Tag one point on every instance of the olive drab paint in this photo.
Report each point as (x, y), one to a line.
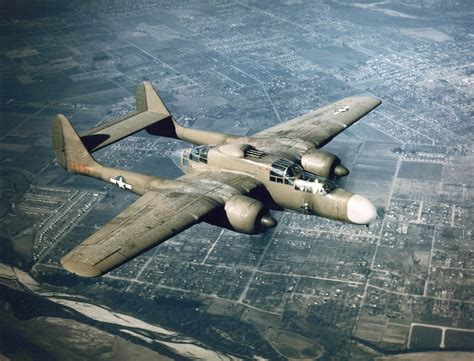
(230, 181)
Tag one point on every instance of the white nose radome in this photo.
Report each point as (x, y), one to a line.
(360, 210)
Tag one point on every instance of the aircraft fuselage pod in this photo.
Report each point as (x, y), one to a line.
(288, 185)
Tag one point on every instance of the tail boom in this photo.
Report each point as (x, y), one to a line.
(74, 157)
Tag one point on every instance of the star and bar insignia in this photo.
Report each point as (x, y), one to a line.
(120, 182)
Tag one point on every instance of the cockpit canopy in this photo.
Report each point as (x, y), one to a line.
(287, 172)
(181, 157)
(198, 154)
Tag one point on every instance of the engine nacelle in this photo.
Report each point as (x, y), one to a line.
(323, 163)
(248, 215)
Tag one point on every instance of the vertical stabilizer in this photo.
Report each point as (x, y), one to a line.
(149, 100)
(71, 154)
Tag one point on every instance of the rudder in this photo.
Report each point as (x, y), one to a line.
(148, 100)
(71, 153)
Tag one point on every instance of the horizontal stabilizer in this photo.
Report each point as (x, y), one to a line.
(150, 110)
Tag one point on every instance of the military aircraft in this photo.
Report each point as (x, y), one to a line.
(231, 181)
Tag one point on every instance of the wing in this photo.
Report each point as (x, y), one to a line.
(322, 125)
(152, 219)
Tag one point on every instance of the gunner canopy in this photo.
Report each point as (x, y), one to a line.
(287, 172)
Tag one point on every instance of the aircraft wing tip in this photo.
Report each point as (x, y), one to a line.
(80, 268)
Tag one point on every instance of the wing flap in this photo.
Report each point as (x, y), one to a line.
(322, 125)
(152, 219)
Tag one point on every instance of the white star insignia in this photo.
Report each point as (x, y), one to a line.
(342, 109)
(120, 182)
